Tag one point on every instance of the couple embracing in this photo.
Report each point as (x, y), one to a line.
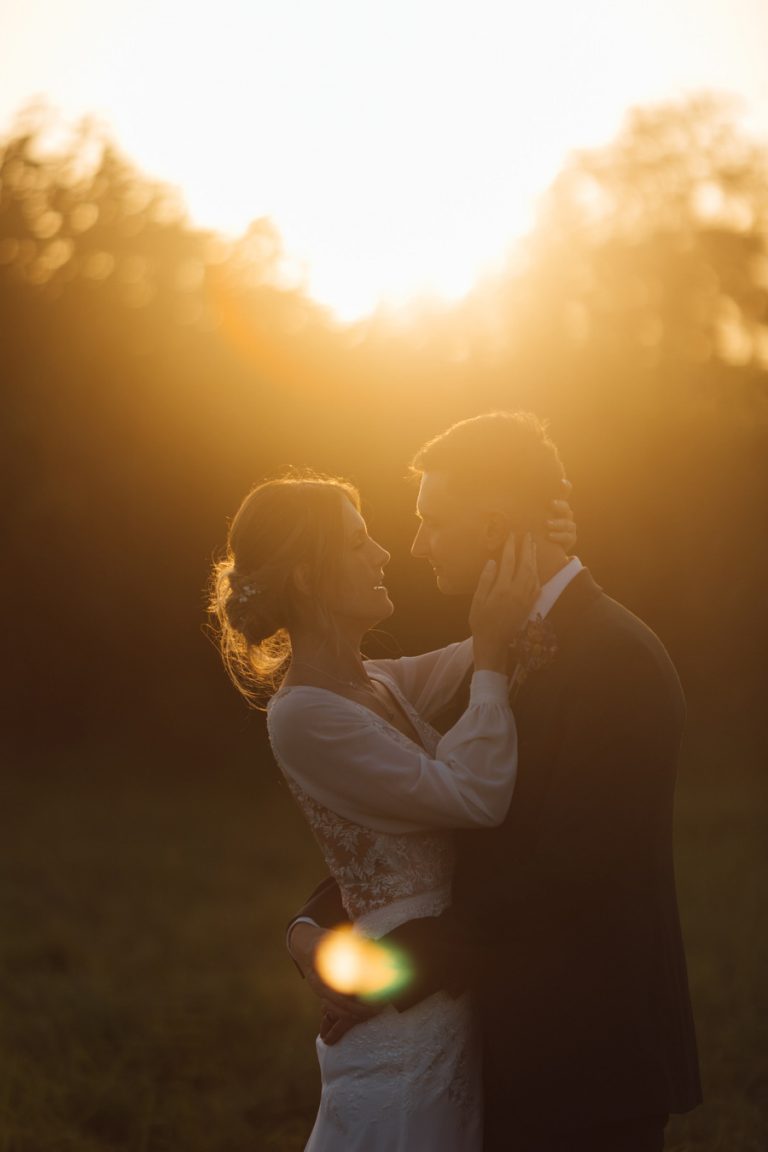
(498, 811)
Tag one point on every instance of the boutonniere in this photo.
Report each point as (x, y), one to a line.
(532, 649)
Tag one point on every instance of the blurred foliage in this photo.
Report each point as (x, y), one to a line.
(152, 371)
(656, 247)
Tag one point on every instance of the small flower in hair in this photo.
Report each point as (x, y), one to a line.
(246, 592)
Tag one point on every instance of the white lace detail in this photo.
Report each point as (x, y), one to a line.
(430, 1053)
(400, 1080)
(380, 921)
(375, 869)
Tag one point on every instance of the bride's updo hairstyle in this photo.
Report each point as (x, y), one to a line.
(292, 522)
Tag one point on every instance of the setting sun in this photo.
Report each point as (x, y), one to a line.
(399, 148)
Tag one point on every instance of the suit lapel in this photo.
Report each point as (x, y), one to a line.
(563, 618)
(572, 602)
(564, 614)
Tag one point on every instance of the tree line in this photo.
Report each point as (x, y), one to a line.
(152, 371)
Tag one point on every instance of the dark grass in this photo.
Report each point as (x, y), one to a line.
(146, 1002)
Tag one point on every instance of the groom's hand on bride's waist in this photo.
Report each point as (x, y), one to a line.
(439, 957)
(339, 1012)
(338, 1018)
(434, 951)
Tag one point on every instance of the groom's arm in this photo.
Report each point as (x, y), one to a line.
(322, 910)
(438, 957)
(434, 954)
(434, 949)
(323, 907)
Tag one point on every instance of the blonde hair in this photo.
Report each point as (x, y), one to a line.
(291, 520)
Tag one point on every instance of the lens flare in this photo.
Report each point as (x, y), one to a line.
(356, 965)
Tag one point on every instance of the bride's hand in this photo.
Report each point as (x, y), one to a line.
(561, 526)
(505, 594)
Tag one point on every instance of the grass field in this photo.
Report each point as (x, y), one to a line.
(146, 1003)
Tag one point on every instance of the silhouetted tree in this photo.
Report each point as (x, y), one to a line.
(152, 371)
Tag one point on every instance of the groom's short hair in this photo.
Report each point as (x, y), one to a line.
(508, 453)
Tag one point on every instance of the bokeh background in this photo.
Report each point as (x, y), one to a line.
(151, 370)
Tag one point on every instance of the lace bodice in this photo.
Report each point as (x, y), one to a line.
(381, 804)
(377, 869)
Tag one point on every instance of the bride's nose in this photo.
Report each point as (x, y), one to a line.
(384, 556)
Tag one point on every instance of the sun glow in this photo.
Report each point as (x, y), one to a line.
(398, 145)
(399, 148)
(356, 965)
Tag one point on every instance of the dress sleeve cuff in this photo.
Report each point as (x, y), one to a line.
(489, 687)
(289, 930)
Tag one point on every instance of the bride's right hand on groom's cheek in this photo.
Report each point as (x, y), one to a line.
(505, 593)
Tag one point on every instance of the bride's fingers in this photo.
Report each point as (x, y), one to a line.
(527, 575)
(527, 561)
(508, 561)
(485, 582)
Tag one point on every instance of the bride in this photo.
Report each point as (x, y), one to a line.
(301, 584)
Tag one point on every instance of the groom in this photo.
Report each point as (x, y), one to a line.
(568, 909)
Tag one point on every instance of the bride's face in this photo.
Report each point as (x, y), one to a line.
(453, 534)
(360, 595)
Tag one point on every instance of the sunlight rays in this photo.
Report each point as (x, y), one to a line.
(399, 147)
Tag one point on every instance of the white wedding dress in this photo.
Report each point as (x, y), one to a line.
(381, 807)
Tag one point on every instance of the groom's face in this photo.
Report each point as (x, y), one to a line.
(458, 531)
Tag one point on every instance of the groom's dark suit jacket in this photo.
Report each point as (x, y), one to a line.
(568, 909)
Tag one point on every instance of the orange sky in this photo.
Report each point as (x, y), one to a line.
(371, 131)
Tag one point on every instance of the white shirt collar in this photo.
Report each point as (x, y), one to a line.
(550, 592)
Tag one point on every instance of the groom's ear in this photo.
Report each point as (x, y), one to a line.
(497, 528)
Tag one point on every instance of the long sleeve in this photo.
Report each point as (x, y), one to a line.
(430, 680)
(348, 759)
